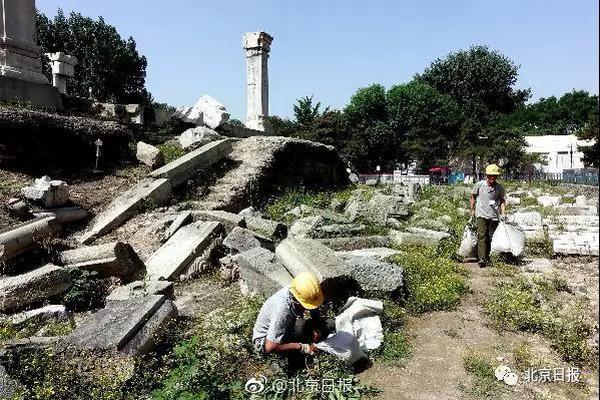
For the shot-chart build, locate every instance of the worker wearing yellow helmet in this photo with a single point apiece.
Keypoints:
(488, 207)
(281, 326)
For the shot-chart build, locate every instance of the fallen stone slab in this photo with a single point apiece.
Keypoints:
(379, 253)
(51, 193)
(149, 155)
(581, 220)
(355, 243)
(22, 237)
(272, 229)
(338, 230)
(115, 326)
(189, 115)
(249, 212)
(17, 292)
(569, 209)
(581, 201)
(182, 219)
(542, 265)
(188, 165)
(261, 272)
(18, 209)
(241, 240)
(181, 249)
(111, 259)
(9, 387)
(240, 131)
(39, 316)
(152, 331)
(140, 289)
(198, 136)
(549, 201)
(375, 275)
(146, 192)
(215, 114)
(229, 220)
(305, 227)
(308, 255)
(576, 244)
(418, 236)
(382, 207)
(65, 215)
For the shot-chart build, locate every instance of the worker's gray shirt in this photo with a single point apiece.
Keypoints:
(488, 200)
(276, 316)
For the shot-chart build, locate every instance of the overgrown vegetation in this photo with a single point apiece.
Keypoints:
(171, 152)
(533, 305)
(433, 282)
(88, 291)
(483, 381)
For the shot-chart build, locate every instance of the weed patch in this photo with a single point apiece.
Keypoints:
(484, 383)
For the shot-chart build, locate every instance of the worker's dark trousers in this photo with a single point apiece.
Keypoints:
(303, 329)
(485, 231)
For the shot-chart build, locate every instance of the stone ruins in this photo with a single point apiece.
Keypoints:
(257, 46)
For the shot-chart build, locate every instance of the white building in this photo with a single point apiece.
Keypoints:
(558, 152)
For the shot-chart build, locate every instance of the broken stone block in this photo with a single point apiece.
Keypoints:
(214, 113)
(530, 222)
(19, 291)
(65, 215)
(305, 227)
(576, 243)
(25, 235)
(272, 229)
(182, 219)
(249, 212)
(190, 115)
(379, 253)
(120, 326)
(141, 289)
(149, 155)
(337, 230)
(146, 192)
(152, 331)
(418, 236)
(261, 272)
(181, 249)
(50, 193)
(542, 265)
(36, 319)
(198, 136)
(549, 201)
(382, 207)
(354, 243)
(18, 208)
(229, 220)
(9, 388)
(307, 255)
(240, 240)
(372, 274)
(581, 201)
(111, 259)
(188, 165)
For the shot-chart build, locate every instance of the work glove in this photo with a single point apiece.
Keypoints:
(307, 349)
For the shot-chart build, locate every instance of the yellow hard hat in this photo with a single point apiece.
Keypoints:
(306, 289)
(492, 169)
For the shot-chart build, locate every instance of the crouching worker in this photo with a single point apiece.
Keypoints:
(281, 326)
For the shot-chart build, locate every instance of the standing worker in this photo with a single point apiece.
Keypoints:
(488, 206)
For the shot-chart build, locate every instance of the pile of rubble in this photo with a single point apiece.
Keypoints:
(572, 227)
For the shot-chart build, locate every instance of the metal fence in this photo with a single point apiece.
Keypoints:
(588, 176)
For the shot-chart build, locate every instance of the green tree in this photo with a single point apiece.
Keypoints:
(367, 107)
(306, 113)
(590, 132)
(108, 64)
(425, 121)
(481, 81)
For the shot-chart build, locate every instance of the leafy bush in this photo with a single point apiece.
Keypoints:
(171, 152)
(433, 282)
(88, 291)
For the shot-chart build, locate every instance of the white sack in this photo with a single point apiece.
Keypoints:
(508, 239)
(468, 244)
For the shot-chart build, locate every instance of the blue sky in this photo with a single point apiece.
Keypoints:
(330, 48)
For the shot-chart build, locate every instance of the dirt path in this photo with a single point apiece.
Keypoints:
(440, 340)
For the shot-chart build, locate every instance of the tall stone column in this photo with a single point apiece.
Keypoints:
(257, 46)
(19, 52)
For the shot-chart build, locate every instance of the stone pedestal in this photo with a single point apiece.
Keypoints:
(19, 52)
(63, 67)
(257, 46)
